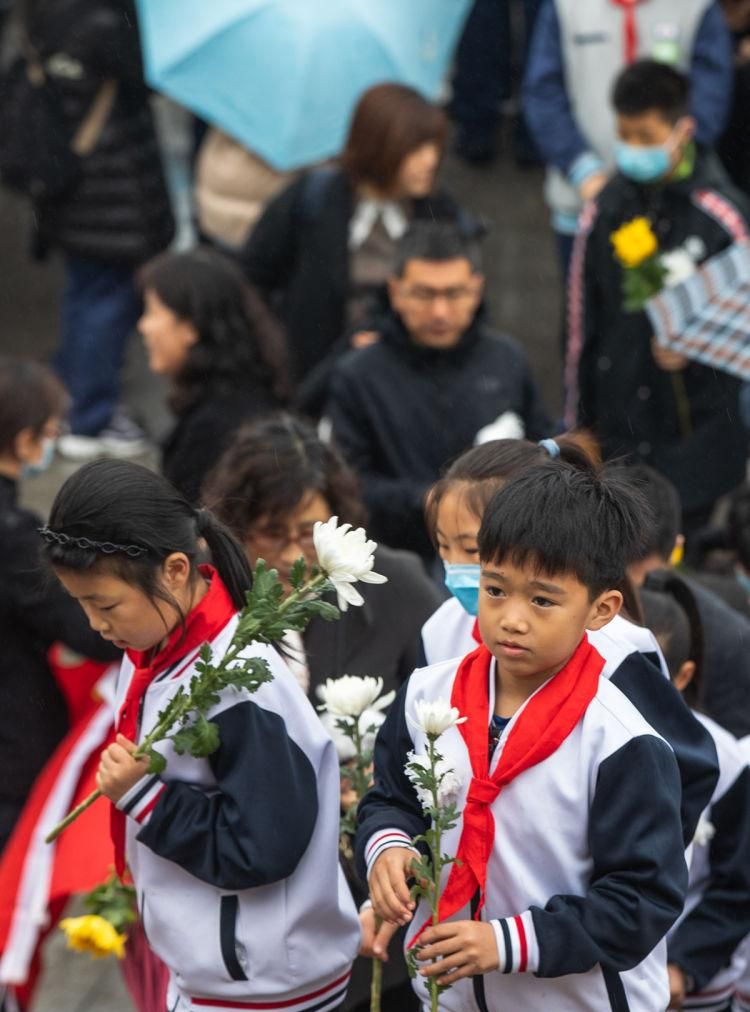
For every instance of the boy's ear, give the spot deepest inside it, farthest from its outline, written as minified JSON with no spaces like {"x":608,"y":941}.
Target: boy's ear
{"x":604,"y":609}
{"x":176,"y":571}
{"x":684,"y":676}
{"x":24,"y":443}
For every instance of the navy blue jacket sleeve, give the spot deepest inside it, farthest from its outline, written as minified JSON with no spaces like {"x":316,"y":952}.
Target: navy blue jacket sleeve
{"x":255,"y":827}
{"x":661,"y":704}
{"x":639,"y":874}
{"x":706,"y":940}
{"x":712,"y":76}
{"x":545,"y":100}
{"x":392,"y":802}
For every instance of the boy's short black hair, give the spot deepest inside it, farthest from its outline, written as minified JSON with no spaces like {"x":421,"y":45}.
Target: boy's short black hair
{"x":648,"y":85}
{"x":561,"y":519}
{"x":666,"y":508}
{"x":438,"y":240}
{"x":30,"y":395}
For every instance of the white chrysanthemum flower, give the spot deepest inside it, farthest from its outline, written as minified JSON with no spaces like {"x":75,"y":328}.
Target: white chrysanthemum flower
{"x":351,"y":695}
{"x":434,"y":716}
{"x":449,"y":785}
{"x":345,"y":556}
{"x":369,"y":722}
{"x":705,"y":831}
{"x":679,"y":265}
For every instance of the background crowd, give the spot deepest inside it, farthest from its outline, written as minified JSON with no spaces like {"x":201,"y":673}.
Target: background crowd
{"x":322,"y":338}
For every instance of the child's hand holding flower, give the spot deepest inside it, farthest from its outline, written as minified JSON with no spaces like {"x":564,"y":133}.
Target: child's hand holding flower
{"x":118,"y":771}
{"x":460,"y":948}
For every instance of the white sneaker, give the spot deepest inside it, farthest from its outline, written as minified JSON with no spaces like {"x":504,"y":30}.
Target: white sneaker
{"x":122,"y":438}
{"x":76,"y":447}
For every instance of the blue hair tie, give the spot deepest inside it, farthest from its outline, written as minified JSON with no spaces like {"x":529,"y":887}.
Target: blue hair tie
{"x":551,"y":447}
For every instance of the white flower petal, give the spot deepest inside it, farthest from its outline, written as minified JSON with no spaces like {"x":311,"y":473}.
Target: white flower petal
{"x":345,"y":556}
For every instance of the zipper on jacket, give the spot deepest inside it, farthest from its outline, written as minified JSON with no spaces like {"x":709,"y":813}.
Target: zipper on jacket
{"x":478,"y":981}
{"x":228,"y":909}
{"x":618,"y":1000}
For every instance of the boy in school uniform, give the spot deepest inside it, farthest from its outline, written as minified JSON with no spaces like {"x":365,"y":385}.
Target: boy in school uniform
{"x":570,"y":865}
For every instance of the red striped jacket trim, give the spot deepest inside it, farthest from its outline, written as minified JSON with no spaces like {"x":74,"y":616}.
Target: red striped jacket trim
{"x":288,"y":1003}
{"x":576,"y":322}
{"x":524,"y":954}
{"x":723,"y":211}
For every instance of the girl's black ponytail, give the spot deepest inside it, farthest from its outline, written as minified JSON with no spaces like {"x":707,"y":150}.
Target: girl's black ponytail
{"x":226,"y":554}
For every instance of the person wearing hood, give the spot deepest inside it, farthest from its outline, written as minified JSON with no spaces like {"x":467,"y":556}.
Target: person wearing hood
{"x":438,"y":381}
{"x":641,"y":400}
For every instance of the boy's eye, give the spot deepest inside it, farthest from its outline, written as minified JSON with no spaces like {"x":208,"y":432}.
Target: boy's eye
{"x":543,"y":602}
{"x":494,"y":591}
{"x":109,"y":607}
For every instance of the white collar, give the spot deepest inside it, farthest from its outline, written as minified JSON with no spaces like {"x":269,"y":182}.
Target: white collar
{"x":366,"y":215}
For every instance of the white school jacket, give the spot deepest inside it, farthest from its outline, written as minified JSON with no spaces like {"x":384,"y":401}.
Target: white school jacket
{"x":235,"y":857}
{"x":587,"y":872}
{"x":632,"y":662}
{"x":706,"y":942}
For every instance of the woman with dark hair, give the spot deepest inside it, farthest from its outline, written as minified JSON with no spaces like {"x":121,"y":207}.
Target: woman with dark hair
{"x":323,"y":249}
{"x":206,"y":330}
{"x":276,"y":479}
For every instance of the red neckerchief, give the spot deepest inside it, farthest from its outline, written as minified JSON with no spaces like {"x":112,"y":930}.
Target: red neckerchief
{"x":630,"y":29}
{"x":202,"y":625}
{"x":543,"y":725}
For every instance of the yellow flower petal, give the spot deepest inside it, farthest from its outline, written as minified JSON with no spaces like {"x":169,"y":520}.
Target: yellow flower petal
{"x":634,"y":242}
{"x":93,"y":934}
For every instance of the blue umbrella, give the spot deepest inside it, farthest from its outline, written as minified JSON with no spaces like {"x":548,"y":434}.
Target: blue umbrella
{"x":283,"y":76}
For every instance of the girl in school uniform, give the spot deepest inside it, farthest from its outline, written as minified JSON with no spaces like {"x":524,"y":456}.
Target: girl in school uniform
{"x":234,"y":857}
{"x":455,"y":507}
{"x":704,"y":947}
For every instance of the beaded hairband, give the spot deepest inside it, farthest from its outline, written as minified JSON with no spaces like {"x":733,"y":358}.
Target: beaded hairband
{"x":107,"y":547}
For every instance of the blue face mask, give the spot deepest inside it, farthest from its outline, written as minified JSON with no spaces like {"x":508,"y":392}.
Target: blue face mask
{"x":643,"y":165}
{"x":463,"y":582}
{"x":48,"y":455}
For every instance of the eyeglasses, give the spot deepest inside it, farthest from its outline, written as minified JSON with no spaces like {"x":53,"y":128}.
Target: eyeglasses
{"x":420,"y":293}
{"x":277,"y":537}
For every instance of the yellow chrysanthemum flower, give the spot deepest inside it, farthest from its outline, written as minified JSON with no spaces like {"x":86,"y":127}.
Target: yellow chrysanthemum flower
{"x":93,"y":934}
{"x":634,"y":242}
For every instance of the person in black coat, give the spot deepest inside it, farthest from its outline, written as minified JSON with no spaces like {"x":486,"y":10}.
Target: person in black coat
{"x":276,"y":479}
{"x":34,"y":610}
{"x":639,"y":399}
{"x":116,"y":216}
{"x":323,"y":249}
{"x":726,"y":633}
{"x":206,"y":330}
{"x":435,"y":384}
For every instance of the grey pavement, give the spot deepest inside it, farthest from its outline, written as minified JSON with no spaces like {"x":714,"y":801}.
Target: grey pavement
{"x":523,"y":290}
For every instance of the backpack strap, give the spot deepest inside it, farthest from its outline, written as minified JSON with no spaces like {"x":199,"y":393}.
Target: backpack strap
{"x":89,"y":131}
{"x":313,"y":190}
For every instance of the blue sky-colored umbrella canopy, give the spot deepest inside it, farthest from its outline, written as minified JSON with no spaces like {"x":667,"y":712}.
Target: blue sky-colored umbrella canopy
{"x":283,"y":76}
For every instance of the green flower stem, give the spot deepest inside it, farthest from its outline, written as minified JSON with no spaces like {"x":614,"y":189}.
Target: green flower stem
{"x":682,"y":402}
{"x":376,"y":983}
{"x":181,"y":706}
{"x":437,"y":858}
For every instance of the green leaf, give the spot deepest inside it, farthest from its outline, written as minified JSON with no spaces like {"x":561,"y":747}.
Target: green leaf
{"x":297,"y":574}
{"x":199,"y":738}
{"x":156,"y":761}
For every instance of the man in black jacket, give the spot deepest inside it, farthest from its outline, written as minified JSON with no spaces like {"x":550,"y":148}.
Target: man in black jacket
{"x":405,"y":406}
{"x":642,"y":400}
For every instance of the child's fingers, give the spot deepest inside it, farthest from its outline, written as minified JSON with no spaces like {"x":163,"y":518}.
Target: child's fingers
{"x":439,"y":950}
{"x":126,"y":743}
{"x":450,"y":969}
{"x":385,"y":900}
{"x":383,"y":940}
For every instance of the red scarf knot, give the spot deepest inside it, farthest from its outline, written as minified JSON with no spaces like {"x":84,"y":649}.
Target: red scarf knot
{"x":482,"y":792}
{"x":630,"y":29}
